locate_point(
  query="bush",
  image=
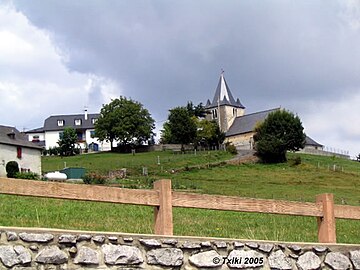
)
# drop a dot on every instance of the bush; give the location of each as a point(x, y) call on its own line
point(54, 151)
point(27, 175)
point(231, 148)
point(77, 151)
point(295, 161)
point(12, 167)
point(94, 178)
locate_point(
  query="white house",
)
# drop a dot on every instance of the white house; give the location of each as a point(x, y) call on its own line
point(84, 124)
point(14, 146)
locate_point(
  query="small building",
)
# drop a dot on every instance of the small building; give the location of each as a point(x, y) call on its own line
point(14, 146)
point(84, 125)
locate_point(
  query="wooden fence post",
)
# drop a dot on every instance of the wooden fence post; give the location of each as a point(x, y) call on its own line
point(163, 213)
point(326, 223)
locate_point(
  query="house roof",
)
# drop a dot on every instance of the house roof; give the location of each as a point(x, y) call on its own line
point(247, 123)
point(11, 136)
point(51, 123)
point(35, 130)
point(223, 96)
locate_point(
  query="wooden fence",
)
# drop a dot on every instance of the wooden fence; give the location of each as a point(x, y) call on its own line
point(162, 198)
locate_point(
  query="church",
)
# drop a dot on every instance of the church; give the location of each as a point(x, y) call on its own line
point(238, 126)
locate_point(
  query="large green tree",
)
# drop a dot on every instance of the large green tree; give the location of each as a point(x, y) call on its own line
point(209, 133)
point(180, 127)
point(67, 142)
point(126, 121)
point(197, 111)
point(280, 132)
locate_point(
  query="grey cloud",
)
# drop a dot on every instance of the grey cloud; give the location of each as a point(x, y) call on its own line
point(164, 53)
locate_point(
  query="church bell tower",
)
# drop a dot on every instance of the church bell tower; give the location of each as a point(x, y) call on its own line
point(223, 108)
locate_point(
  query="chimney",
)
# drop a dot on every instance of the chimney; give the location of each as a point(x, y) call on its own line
point(86, 114)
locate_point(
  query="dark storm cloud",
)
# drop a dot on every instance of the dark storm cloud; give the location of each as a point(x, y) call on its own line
point(169, 52)
point(164, 53)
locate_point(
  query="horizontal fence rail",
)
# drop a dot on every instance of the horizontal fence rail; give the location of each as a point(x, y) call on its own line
point(229, 203)
point(162, 198)
point(79, 192)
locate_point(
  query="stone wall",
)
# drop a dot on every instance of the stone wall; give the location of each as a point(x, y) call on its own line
point(30, 249)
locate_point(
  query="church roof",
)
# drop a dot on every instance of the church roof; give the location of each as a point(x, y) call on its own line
point(247, 123)
point(223, 96)
point(309, 141)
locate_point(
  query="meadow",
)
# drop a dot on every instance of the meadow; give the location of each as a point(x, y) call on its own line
point(287, 181)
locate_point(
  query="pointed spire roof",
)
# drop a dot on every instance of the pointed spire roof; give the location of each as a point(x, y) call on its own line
point(223, 95)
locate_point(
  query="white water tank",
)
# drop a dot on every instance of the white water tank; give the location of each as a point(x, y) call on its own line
point(56, 176)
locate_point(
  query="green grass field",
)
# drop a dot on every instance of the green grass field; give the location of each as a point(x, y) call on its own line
point(281, 181)
point(105, 162)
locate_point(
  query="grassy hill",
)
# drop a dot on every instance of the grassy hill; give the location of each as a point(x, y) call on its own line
point(301, 182)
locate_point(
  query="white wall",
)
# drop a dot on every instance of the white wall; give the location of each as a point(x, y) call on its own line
point(103, 146)
point(41, 136)
point(31, 158)
point(51, 139)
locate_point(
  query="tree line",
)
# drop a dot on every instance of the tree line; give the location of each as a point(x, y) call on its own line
point(187, 125)
point(128, 123)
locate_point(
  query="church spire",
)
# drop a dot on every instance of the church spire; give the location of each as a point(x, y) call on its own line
point(224, 108)
point(223, 95)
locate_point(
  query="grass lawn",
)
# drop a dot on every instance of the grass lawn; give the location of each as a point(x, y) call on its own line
point(281, 181)
point(155, 162)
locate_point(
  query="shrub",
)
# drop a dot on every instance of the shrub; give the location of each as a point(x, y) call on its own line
point(295, 161)
point(94, 178)
point(45, 152)
point(77, 151)
point(12, 167)
point(53, 151)
point(231, 148)
point(27, 175)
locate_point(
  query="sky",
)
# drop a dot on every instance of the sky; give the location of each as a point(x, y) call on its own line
point(60, 56)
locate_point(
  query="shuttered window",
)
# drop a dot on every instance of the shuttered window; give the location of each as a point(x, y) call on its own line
point(19, 152)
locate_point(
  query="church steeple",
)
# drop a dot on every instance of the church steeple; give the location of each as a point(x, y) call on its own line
point(223, 108)
point(223, 95)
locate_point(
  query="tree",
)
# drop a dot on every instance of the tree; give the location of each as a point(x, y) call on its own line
point(197, 111)
point(67, 142)
point(126, 121)
point(180, 127)
point(209, 133)
point(281, 131)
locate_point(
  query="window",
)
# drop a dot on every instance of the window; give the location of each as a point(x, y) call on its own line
point(60, 123)
point(61, 135)
point(77, 122)
point(92, 133)
point(19, 152)
point(79, 136)
point(214, 112)
point(36, 138)
point(93, 120)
